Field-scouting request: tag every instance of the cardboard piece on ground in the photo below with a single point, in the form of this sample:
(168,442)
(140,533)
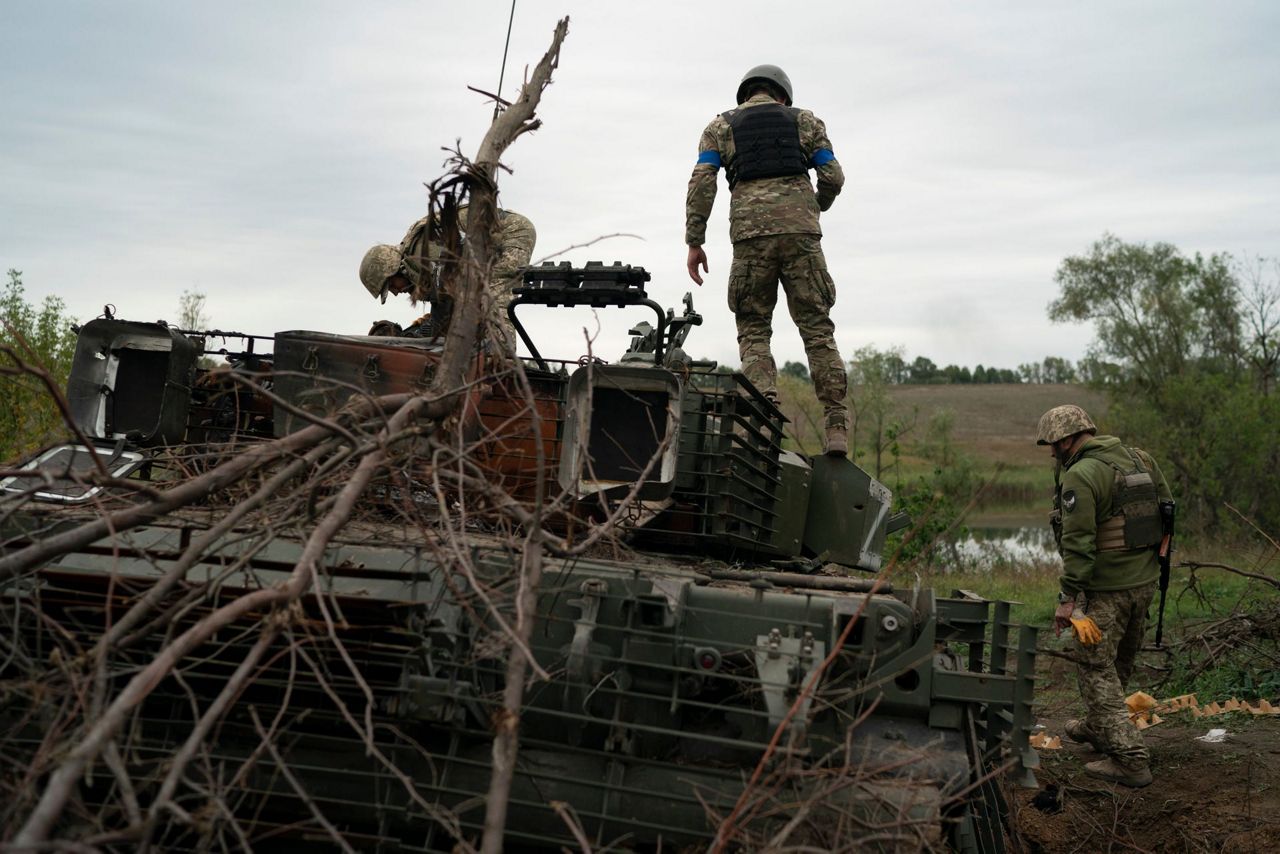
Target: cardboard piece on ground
(1140,701)
(1040,741)
(1147,719)
(1183,701)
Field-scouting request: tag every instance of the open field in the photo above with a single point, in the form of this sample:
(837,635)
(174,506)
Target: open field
(994,426)
(996,423)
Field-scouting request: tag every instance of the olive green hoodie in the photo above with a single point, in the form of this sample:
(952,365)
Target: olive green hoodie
(1085,483)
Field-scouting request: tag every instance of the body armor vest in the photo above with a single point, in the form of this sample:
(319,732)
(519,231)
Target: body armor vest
(1134,522)
(1135,510)
(766,142)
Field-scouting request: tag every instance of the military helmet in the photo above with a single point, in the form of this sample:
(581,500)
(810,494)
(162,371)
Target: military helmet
(769,74)
(380,263)
(1063,421)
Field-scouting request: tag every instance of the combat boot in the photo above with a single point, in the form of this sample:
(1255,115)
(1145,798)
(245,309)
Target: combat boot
(837,441)
(1112,771)
(1079,731)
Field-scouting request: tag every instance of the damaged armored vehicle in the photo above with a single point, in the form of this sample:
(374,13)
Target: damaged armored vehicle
(212,642)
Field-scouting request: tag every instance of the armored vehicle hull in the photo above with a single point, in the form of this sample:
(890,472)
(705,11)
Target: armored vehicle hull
(705,665)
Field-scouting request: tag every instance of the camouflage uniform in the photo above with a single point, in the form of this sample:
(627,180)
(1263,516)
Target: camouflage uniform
(1104,669)
(773,223)
(1118,584)
(515,241)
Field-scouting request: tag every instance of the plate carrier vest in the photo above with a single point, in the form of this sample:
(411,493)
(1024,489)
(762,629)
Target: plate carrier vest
(766,142)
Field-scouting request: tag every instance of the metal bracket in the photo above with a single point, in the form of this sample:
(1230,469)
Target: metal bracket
(785,667)
(581,671)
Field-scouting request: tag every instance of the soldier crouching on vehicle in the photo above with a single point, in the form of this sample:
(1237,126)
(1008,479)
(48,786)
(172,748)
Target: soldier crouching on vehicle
(413,268)
(1107,523)
(767,148)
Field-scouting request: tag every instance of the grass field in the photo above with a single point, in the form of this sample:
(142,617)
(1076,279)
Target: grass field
(996,423)
(995,426)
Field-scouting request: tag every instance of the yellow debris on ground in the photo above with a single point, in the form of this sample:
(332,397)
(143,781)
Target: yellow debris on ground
(1146,719)
(1140,701)
(1141,705)
(1040,741)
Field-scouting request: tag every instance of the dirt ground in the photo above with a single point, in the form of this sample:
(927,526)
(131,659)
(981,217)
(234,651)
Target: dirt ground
(1206,797)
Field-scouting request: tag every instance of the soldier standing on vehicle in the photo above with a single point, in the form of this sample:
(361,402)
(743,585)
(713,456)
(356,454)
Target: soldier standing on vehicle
(1107,523)
(767,148)
(413,268)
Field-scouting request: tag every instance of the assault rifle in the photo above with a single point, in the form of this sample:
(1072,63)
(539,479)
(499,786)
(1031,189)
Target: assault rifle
(1167,512)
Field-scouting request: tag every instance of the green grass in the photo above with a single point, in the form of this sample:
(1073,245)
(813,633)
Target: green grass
(1011,489)
(1034,587)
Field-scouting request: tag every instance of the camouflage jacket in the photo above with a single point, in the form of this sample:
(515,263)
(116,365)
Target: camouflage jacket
(516,239)
(768,205)
(1085,484)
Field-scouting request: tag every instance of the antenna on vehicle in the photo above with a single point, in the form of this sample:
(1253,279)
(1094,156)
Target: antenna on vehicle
(497,102)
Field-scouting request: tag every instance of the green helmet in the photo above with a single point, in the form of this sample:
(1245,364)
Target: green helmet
(1063,421)
(769,74)
(380,263)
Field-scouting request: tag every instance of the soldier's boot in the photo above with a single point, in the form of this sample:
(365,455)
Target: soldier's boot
(837,441)
(1112,771)
(1078,731)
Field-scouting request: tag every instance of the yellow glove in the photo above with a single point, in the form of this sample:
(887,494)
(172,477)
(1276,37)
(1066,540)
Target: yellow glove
(1086,630)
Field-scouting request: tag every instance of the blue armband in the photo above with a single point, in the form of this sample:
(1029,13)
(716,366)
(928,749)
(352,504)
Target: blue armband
(823,156)
(710,157)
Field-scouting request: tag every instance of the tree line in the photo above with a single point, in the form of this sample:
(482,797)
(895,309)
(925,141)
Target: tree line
(890,366)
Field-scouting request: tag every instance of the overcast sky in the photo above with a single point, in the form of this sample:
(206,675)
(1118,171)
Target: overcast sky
(253,151)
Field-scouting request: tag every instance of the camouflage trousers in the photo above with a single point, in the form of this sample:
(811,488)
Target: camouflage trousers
(796,260)
(1105,667)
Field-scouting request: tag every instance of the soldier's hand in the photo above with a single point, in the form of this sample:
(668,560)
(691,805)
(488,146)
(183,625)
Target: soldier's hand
(697,258)
(1062,617)
(1086,630)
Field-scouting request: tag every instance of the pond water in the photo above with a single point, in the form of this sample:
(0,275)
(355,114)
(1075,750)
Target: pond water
(989,546)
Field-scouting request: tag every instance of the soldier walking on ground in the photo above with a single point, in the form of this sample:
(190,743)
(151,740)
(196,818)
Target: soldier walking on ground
(1107,523)
(412,268)
(767,148)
